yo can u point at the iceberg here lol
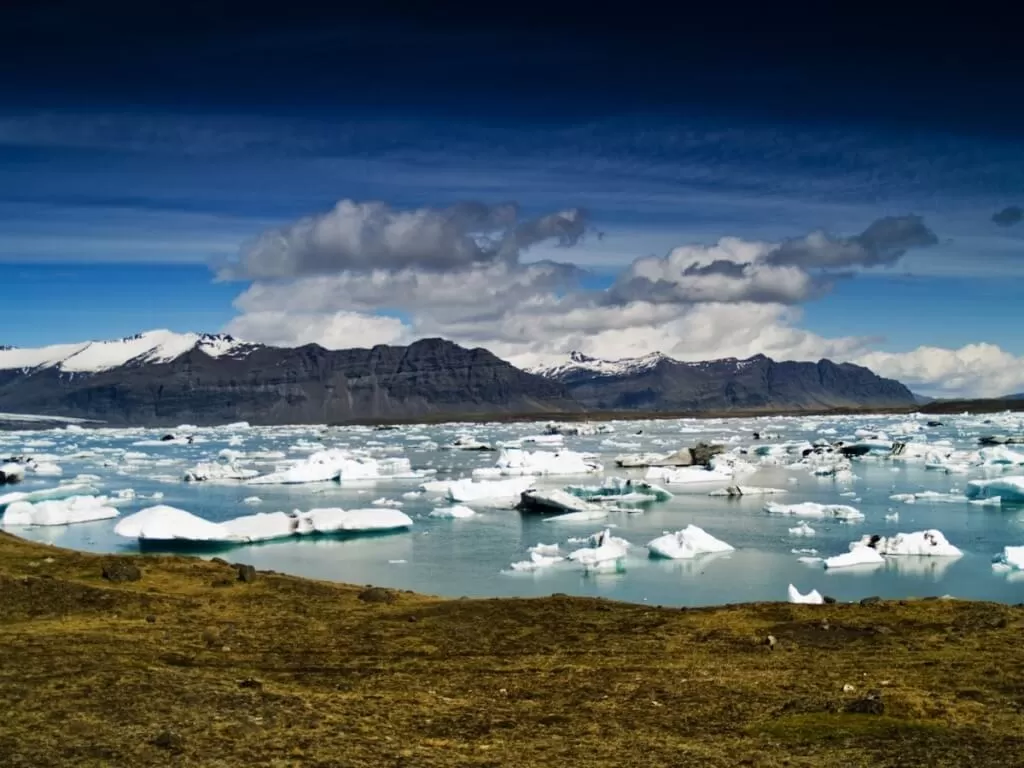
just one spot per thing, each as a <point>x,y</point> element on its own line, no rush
<point>1000,456</point>
<point>686,544</point>
<point>928,496</point>
<point>1009,489</point>
<point>603,550</point>
<point>554,500</point>
<point>217,471</point>
<point>920,543</point>
<point>48,494</point>
<point>813,509</point>
<point>811,598</point>
<point>855,557</point>
<point>536,562</point>
<point>802,530</point>
<point>164,523</point>
<point>687,475</point>
<point>735,491</point>
<point>74,509</point>
<point>516,461</point>
<point>452,512</point>
<point>584,515</point>
<point>621,490</point>
<point>47,469</point>
<point>1011,558</point>
<point>498,492</point>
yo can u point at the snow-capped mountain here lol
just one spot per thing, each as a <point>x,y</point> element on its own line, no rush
<point>658,382</point>
<point>159,346</point>
<point>166,378</point>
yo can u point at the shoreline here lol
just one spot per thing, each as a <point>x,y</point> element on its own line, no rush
<point>937,408</point>
<point>213,664</point>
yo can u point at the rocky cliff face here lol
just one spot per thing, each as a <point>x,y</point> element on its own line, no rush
<point>213,383</point>
<point>659,383</point>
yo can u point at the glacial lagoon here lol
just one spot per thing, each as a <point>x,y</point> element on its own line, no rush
<point>472,556</point>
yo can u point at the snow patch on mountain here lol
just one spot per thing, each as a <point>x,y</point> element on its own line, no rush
<point>629,366</point>
<point>159,346</point>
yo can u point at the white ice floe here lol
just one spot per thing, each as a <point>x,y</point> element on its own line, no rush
<point>496,492</point>
<point>1009,489</point>
<point>687,543</point>
<point>252,500</point>
<point>811,598</point>
<point>74,509</point>
<point>920,543</point>
<point>384,502</point>
<point>934,497</point>
<point>11,472</point>
<point>217,471</point>
<point>515,461</point>
<point>857,556</point>
<point>991,501</point>
<point>547,500</point>
<point>1011,558</point>
<point>169,524</point>
<point>603,551</point>
<point>693,476</point>
<point>1000,455</point>
<point>620,490</point>
<point>49,494</point>
<point>454,511</point>
<point>341,465</point>
<point>47,469</point>
<point>580,516</point>
<point>813,509</point>
<point>551,550</point>
<point>536,562</point>
<point>802,530</point>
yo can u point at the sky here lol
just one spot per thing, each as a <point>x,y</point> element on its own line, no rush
<point>533,181</point>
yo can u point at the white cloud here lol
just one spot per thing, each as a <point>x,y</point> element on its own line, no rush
<point>333,330</point>
<point>976,370</point>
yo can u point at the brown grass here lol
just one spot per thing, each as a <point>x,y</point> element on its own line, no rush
<point>173,670</point>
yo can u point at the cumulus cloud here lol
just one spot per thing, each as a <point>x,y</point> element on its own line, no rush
<point>976,370</point>
<point>882,243</point>
<point>1008,216</point>
<point>373,236</point>
<point>333,330</point>
<point>338,279</point>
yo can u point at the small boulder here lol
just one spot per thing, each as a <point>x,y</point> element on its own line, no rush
<point>873,600</point>
<point>151,619</point>
<point>118,571</point>
<point>702,453</point>
<point>871,704</point>
<point>377,595</point>
<point>246,573</point>
<point>250,682</point>
<point>771,642</point>
<point>829,600</point>
<point>169,740</point>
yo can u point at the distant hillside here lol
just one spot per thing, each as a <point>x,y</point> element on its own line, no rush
<point>660,383</point>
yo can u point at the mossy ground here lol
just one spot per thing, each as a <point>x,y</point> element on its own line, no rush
<point>190,667</point>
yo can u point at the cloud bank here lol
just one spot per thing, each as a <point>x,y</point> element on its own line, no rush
<point>366,273</point>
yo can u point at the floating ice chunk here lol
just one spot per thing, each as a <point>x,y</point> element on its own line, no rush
<point>252,500</point>
<point>813,509</point>
<point>166,523</point>
<point>217,471</point>
<point>604,550</point>
<point>383,502</point>
<point>919,543</point>
<point>583,515</point>
<point>802,530</point>
<point>1012,558</point>
<point>536,562</point>
<point>550,550</point>
<point>553,500</point>
<point>1009,489</point>
<point>622,490</point>
<point>809,560</point>
<point>929,496</point>
<point>515,461</point>
<point>455,511</point>
<point>991,501</point>
<point>811,598</point>
<point>330,520</point>
<point>892,517</point>
<point>74,509</point>
<point>687,476</point>
<point>1000,455</point>
<point>497,491</point>
<point>47,469</point>
<point>49,494</point>
<point>687,543</point>
<point>857,556</point>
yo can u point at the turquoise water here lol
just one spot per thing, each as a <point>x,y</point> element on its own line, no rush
<point>472,556</point>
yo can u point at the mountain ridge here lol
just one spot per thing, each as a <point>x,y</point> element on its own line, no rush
<point>158,378</point>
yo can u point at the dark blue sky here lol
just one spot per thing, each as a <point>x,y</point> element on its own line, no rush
<point>139,143</point>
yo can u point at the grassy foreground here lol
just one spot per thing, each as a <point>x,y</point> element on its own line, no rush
<point>191,666</point>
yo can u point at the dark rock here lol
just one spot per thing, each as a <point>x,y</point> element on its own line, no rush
<point>853,451</point>
<point>873,600</point>
<point>934,423</point>
<point>118,571</point>
<point>166,438</point>
<point>413,619</point>
<point>250,682</point>
<point>377,595</point>
<point>246,573</point>
<point>218,560</point>
<point>169,740</point>
<point>308,384</point>
<point>871,704</point>
<point>829,600</point>
<point>703,452</point>
<point>151,619</point>
<point>730,384</point>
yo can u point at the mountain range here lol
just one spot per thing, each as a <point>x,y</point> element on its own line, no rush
<point>165,378</point>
